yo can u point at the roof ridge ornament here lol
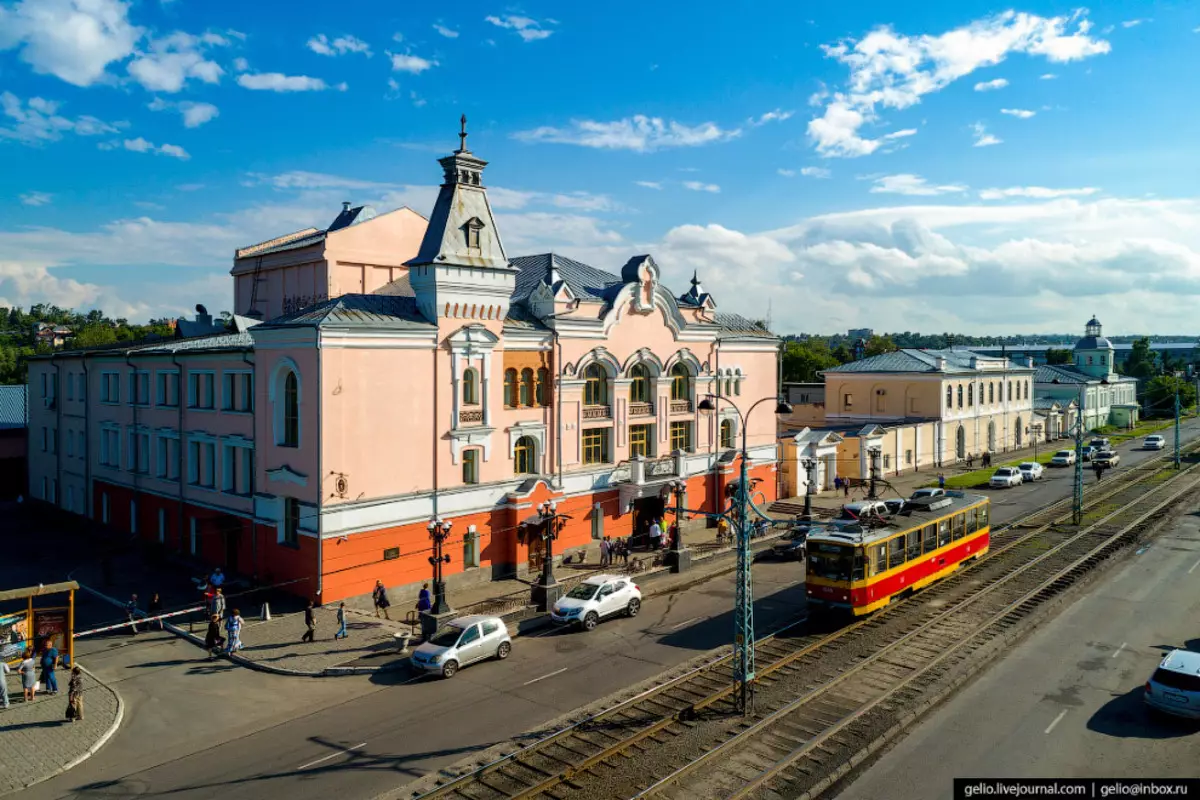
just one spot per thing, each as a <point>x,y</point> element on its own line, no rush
<point>462,135</point>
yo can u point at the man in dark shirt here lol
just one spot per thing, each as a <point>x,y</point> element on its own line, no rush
<point>424,602</point>
<point>310,623</point>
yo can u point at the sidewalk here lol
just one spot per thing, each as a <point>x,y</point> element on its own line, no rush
<point>37,742</point>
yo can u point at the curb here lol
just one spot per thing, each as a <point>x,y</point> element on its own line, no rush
<point>91,751</point>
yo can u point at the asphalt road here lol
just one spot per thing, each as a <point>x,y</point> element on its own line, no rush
<point>1067,702</point>
<point>196,730</point>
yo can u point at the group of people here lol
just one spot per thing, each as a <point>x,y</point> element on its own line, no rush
<point>378,597</point>
<point>611,550</point>
<point>49,661</point>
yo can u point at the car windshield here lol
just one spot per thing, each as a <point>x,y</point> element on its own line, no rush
<point>1177,680</point>
<point>1063,454</point>
<point>830,561</point>
<point>446,636</point>
<point>1004,472</point>
<point>1029,465</point>
<point>584,591</point>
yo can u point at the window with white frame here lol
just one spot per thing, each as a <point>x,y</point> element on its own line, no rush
<point>202,463</point>
<point>290,530</point>
<point>167,388</point>
<point>137,456</point>
<point>471,548</point>
<point>139,388</point>
<point>110,447</point>
<point>110,387</point>
<point>286,401</point>
<point>167,462</point>
<point>237,472</point>
<point>201,392</point>
<point>237,391</point>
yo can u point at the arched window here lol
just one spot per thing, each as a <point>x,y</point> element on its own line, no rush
<point>991,392</point>
<point>543,387</point>
<point>525,456</point>
<point>1010,391</point>
<point>728,388</point>
<point>960,396</point>
<point>681,383</point>
<point>949,397</point>
<point>291,411</point>
<point>639,388</point>
<point>510,388</point>
<point>595,390</point>
<point>1026,390</point>
<point>971,395</point>
<point>727,434</point>
<point>526,387</point>
<point>470,388</point>
<point>737,384</point>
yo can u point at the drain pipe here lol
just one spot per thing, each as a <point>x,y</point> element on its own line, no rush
<point>137,438</point>
<point>182,442</point>
<point>321,472</point>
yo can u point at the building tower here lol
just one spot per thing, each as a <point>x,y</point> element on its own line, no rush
<point>1094,353</point>
<point>461,271</point>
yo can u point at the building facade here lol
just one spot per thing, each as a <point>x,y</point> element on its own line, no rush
<point>313,449</point>
<point>1101,396</point>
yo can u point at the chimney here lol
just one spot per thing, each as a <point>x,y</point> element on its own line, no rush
<point>202,315</point>
<point>974,362</point>
<point>941,363</point>
<point>1029,361</point>
<point>345,206</point>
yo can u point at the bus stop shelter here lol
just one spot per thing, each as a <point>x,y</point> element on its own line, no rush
<point>45,617</point>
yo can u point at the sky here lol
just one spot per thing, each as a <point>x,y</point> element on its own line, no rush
<point>965,166</point>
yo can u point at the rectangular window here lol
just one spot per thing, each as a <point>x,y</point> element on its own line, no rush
<point>168,458</point>
<point>930,532</point>
<point>201,390</point>
<point>860,565</point>
<point>110,387</point>
<point>896,554</point>
<point>110,447</point>
<point>914,545</point>
<point>391,554</point>
<point>139,388</point>
<point>228,391</point>
<point>470,466</point>
<point>640,441</point>
<point>847,401</point>
<point>879,403</point>
<point>82,386</point>
<point>70,444</point>
<point>291,522</point>
<point>960,526</point>
<point>878,558</point>
<point>983,516</point>
<point>887,460</point>
<point>231,470</point>
<point>943,532</point>
<point>470,550</point>
<point>167,389</point>
<point>45,439</point>
<point>908,458</point>
<point>972,520</point>
<point>208,471</point>
<point>70,391</point>
<point>138,455</point>
<point>247,471</point>
<point>595,446</point>
<point>681,436</point>
<point>193,462</point>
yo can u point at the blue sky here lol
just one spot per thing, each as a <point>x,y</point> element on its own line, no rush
<point>954,166</point>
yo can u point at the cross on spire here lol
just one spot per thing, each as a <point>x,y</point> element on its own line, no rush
<point>462,135</point>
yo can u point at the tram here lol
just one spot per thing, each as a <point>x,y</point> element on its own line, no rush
<point>860,565</point>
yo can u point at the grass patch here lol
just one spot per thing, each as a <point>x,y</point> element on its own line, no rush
<point>980,477</point>
<point>1145,428</point>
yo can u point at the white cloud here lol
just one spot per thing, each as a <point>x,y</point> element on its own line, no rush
<point>241,64</point>
<point>1040,192</point>
<point>410,63</point>
<point>278,82</point>
<point>778,115</point>
<point>638,133</point>
<point>321,45</point>
<point>74,40</point>
<point>173,150</point>
<point>1019,113</point>
<point>194,114</point>
<point>700,186</point>
<point>992,85</point>
<point>449,33</point>
<point>171,61</point>
<point>1047,76</point>
<point>530,30</point>
<point>142,145</point>
<point>139,145</point>
<point>982,137</point>
<point>893,71</point>
<point>815,172</point>
<point>417,100</point>
<point>1133,23</point>
<point>36,198</point>
<point>787,173</point>
<point>913,185</point>
<point>649,184</point>
<point>37,120</point>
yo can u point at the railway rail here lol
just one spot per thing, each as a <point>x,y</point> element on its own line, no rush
<point>594,756</point>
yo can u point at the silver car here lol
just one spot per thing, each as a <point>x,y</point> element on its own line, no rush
<point>461,642</point>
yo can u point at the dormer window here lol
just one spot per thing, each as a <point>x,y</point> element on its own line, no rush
<point>472,229</point>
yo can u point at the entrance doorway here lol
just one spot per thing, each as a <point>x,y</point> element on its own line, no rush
<point>645,511</point>
<point>537,550</point>
<point>233,541</point>
<point>960,443</point>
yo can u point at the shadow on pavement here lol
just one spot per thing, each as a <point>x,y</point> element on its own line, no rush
<point>1127,717</point>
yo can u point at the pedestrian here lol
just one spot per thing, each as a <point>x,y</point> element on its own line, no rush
<point>217,579</point>
<point>49,662</point>
<point>941,481</point>
<point>213,640</point>
<point>622,546</point>
<point>233,625</point>
<point>604,552</point>
<point>28,678</point>
<point>846,487</point>
<point>424,603</point>
<point>155,608</point>
<point>4,670</point>
<point>310,623</point>
<point>379,595</point>
<point>131,612</point>
<point>1099,470</point>
<point>655,535</point>
<point>837,483</point>
<point>75,695</point>
<point>341,618</point>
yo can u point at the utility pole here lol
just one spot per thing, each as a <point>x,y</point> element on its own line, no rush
<point>1077,497</point>
<point>1176,427</point>
<point>874,453</point>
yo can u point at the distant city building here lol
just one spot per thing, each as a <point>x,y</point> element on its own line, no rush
<point>1107,398</point>
<point>1176,350</point>
<point>855,334</point>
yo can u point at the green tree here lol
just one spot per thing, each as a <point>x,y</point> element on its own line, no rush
<point>1141,362</point>
<point>1160,395</point>
<point>878,345</point>
<point>1054,356</point>
<point>94,336</point>
<point>803,360</point>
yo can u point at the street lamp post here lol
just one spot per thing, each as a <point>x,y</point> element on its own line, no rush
<point>678,558</point>
<point>1077,495</point>
<point>439,532</point>
<point>743,617</point>
<point>545,592</point>
<point>810,465</point>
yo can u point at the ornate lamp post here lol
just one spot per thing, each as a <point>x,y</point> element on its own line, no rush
<point>439,532</point>
<point>546,591</point>
<point>810,466</point>
<point>678,557</point>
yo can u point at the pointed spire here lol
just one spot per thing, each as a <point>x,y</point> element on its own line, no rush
<point>462,135</point>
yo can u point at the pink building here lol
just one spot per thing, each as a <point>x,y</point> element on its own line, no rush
<point>439,379</point>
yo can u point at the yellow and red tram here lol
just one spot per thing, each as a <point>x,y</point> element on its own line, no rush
<point>860,565</point>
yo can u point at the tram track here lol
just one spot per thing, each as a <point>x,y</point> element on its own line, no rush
<point>578,760</point>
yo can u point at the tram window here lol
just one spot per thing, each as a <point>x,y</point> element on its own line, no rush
<point>943,532</point>
<point>930,538</point>
<point>960,522</point>
<point>914,545</point>
<point>829,561</point>
<point>878,554</point>
<point>983,516</point>
<point>860,565</point>
<point>895,552</point>
<point>972,520</point>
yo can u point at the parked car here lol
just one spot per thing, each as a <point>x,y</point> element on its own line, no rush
<point>791,546</point>
<point>1089,452</point>
<point>1030,470</point>
<point>1174,688</point>
<point>1154,442</point>
<point>1005,477</point>
<point>931,491</point>
<point>597,597</point>
<point>1100,443</point>
<point>1063,458</point>
<point>869,508</point>
<point>1107,459</point>
<point>463,641</point>
<point>896,505</point>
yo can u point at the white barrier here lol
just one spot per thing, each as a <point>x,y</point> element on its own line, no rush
<point>141,619</point>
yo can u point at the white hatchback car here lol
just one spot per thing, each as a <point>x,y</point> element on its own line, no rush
<point>1030,470</point>
<point>1063,458</point>
<point>1005,477</point>
<point>597,597</point>
<point>1154,442</point>
<point>463,641</point>
<point>1174,688</point>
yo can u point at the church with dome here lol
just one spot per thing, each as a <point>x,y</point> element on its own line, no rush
<point>1091,382</point>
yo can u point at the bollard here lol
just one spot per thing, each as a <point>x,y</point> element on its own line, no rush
<point>266,612</point>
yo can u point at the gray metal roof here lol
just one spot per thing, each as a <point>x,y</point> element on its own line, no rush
<point>358,310</point>
<point>401,287</point>
<point>736,323</point>
<point>914,360</point>
<point>1093,343</point>
<point>584,281</point>
<point>14,410</point>
<point>1065,373</point>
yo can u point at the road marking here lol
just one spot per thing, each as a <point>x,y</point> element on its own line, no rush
<point>1057,720</point>
<point>1119,649</point>
<point>333,755</point>
<point>551,675</point>
<point>685,623</point>
<point>1193,569</point>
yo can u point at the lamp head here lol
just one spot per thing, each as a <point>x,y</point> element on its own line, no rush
<point>706,405</point>
<point>432,524</point>
<point>783,407</point>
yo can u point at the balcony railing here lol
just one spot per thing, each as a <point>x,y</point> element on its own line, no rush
<point>641,409</point>
<point>681,406</point>
<point>597,412</point>
<point>660,467</point>
<point>472,415</point>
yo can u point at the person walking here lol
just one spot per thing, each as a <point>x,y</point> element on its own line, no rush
<point>131,612</point>
<point>604,552</point>
<point>942,481</point>
<point>341,618</point>
<point>75,695</point>
<point>49,662</point>
<point>233,626</point>
<point>154,609</point>
<point>213,640</point>
<point>379,595</point>
<point>28,678</point>
<point>1099,468</point>
<point>846,488</point>
<point>655,535</point>
<point>4,670</point>
<point>424,602</point>
<point>218,604</point>
<point>310,623</point>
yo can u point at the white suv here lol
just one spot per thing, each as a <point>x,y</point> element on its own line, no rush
<point>1005,477</point>
<point>597,597</point>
